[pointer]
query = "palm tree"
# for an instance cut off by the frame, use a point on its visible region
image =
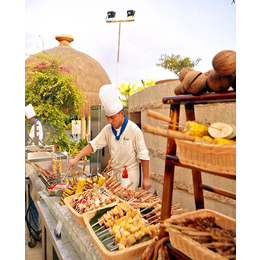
(126, 89)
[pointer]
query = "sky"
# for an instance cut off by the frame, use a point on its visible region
(189, 28)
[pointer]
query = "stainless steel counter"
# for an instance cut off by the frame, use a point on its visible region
(62, 246)
(74, 236)
(75, 242)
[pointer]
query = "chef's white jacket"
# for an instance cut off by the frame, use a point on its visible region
(39, 128)
(128, 150)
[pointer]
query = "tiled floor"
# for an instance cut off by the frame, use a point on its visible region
(34, 253)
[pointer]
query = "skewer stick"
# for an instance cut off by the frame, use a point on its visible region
(167, 133)
(156, 215)
(99, 228)
(113, 248)
(175, 206)
(103, 234)
(94, 224)
(125, 188)
(153, 211)
(107, 239)
(140, 194)
(153, 204)
(217, 244)
(156, 220)
(161, 117)
(145, 199)
(111, 178)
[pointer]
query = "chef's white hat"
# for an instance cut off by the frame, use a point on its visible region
(110, 100)
(29, 111)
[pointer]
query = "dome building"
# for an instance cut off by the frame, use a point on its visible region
(90, 75)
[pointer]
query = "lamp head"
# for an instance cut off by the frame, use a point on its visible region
(111, 14)
(130, 13)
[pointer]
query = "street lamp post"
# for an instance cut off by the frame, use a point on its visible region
(110, 19)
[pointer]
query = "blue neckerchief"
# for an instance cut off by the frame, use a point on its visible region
(121, 130)
(34, 121)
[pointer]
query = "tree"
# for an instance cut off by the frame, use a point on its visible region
(51, 88)
(175, 63)
(126, 89)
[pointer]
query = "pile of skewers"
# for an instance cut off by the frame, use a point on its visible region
(205, 231)
(47, 175)
(113, 187)
(91, 199)
(124, 225)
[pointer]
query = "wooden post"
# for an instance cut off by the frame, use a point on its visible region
(83, 125)
(169, 172)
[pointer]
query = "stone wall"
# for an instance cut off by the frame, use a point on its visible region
(151, 98)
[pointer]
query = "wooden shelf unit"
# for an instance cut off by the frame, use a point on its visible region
(172, 160)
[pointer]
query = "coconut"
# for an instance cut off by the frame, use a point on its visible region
(183, 73)
(194, 82)
(233, 85)
(178, 90)
(207, 72)
(218, 83)
(224, 62)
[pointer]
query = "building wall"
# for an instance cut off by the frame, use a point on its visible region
(151, 98)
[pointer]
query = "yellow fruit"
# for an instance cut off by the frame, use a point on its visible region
(126, 234)
(132, 239)
(129, 214)
(101, 180)
(133, 229)
(118, 236)
(147, 231)
(80, 185)
(125, 218)
(130, 221)
(135, 223)
(139, 225)
(127, 226)
(135, 212)
(115, 229)
(114, 211)
(122, 239)
(108, 215)
(122, 224)
(121, 247)
(139, 235)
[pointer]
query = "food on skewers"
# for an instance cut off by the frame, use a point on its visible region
(195, 129)
(205, 231)
(60, 166)
(91, 200)
(80, 185)
(126, 225)
(113, 186)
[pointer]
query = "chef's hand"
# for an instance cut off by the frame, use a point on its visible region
(72, 164)
(146, 184)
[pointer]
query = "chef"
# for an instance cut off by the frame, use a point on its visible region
(31, 115)
(124, 139)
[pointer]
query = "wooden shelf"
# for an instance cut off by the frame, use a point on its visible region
(172, 159)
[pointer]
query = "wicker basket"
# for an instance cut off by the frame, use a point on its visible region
(217, 158)
(128, 253)
(79, 217)
(192, 248)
